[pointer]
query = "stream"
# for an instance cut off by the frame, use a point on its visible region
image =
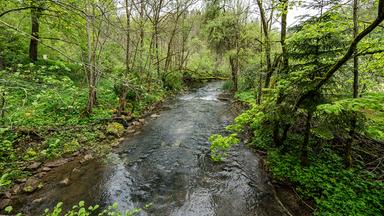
(166, 169)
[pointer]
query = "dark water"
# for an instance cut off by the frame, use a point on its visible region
(166, 168)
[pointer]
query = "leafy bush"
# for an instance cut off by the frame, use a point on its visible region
(220, 145)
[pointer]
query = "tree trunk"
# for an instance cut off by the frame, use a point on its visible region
(34, 42)
(267, 44)
(355, 92)
(90, 67)
(142, 23)
(304, 148)
(234, 69)
(125, 84)
(2, 64)
(283, 35)
(169, 54)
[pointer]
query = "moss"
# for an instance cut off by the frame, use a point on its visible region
(115, 129)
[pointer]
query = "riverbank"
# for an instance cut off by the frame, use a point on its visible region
(110, 133)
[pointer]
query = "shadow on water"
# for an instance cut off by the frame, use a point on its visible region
(166, 168)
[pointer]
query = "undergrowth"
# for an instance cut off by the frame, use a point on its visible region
(334, 189)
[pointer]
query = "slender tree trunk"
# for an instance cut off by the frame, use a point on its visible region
(90, 67)
(283, 35)
(169, 48)
(125, 84)
(2, 106)
(34, 42)
(267, 44)
(355, 94)
(234, 69)
(2, 64)
(142, 23)
(304, 147)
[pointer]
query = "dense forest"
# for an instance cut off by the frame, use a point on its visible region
(75, 74)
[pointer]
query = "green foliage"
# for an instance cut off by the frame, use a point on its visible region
(81, 210)
(220, 145)
(228, 85)
(246, 96)
(335, 190)
(173, 81)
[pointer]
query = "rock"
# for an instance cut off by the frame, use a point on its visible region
(46, 169)
(39, 200)
(115, 144)
(7, 194)
(4, 203)
(56, 163)
(76, 154)
(86, 158)
(31, 185)
(142, 120)
(75, 170)
(115, 129)
(21, 180)
(16, 189)
(34, 166)
(64, 181)
(136, 123)
(138, 132)
(40, 174)
(131, 131)
(155, 115)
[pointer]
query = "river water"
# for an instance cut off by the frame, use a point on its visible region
(166, 169)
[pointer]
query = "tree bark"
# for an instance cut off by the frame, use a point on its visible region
(304, 148)
(267, 44)
(234, 70)
(283, 35)
(34, 41)
(125, 85)
(355, 91)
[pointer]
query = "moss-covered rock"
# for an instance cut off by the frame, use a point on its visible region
(115, 129)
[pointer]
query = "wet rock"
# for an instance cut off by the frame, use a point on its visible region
(16, 189)
(7, 194)
(56, 163)
(75, 170)
(64, 181)
(115, 144)
(86, 158)
(36, 201)
(46, 169)
(131, 131)
(31, 185)
(21, 180)
(155, 115)
(136, 123)
(40, 174)
(138, 132)
(4, 203)
(34, 166)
